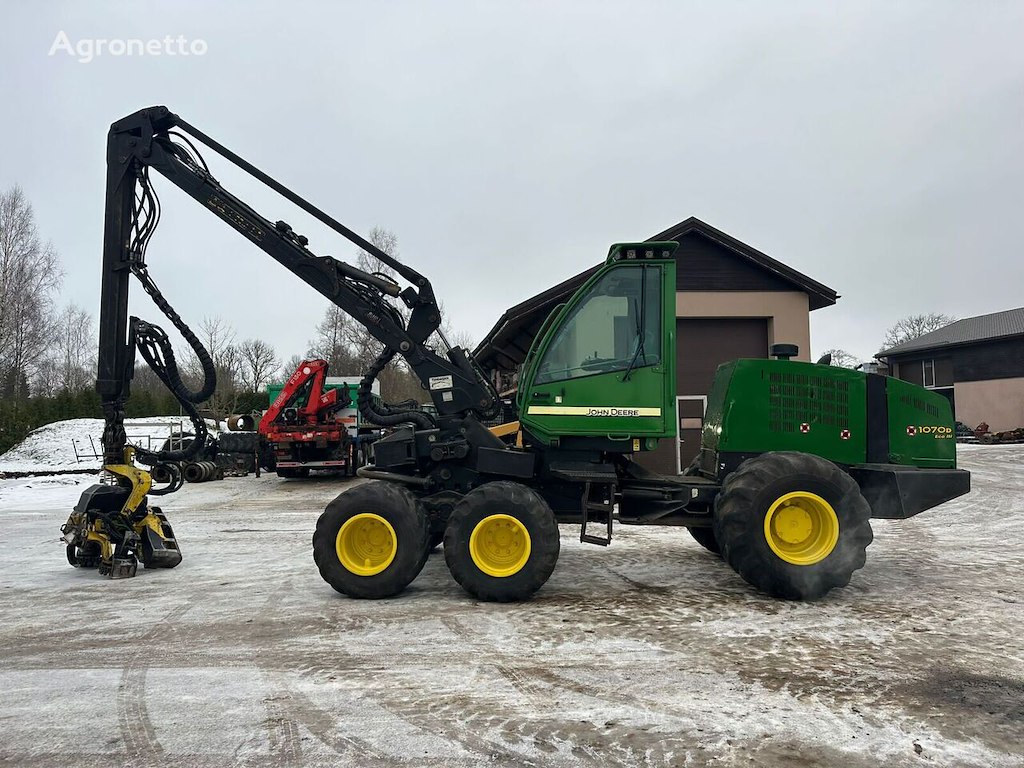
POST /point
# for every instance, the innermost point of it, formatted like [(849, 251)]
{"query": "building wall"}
[(702, 344), (1000, 359), (987, 380), (714, 327), (788, 312), (998, 402), (911, 369), (705, 265)]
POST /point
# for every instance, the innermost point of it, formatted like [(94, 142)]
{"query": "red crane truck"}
[(313, 424)]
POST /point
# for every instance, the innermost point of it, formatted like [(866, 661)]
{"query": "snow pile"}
[(72, 445), (46, 492)]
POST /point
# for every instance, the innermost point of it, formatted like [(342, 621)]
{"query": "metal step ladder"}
[(603, 501)]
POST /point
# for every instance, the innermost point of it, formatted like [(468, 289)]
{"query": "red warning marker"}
[(805, 428), (845, 434), (911, 431)]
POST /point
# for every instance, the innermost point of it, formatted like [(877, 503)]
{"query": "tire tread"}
[(740, 532), (378, 496), (506, 497)]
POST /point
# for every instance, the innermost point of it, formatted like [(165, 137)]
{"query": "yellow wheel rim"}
[(500, 545), (366, 544), (801, 528)]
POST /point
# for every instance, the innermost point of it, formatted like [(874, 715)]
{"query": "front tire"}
[(793, 525), (501, 543), (371, 541)]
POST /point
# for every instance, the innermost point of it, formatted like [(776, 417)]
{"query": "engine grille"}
[(796, 398)]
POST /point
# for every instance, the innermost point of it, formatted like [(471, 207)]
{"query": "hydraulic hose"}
[(383, 414), (156, 350)]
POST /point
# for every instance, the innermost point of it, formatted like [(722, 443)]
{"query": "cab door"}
[(606, 366)]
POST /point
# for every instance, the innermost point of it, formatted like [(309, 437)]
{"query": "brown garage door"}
[(701, 346)]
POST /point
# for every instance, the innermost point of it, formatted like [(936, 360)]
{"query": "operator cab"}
[(605, 367)]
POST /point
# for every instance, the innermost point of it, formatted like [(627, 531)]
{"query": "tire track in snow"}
[(133, 719), (282, 731), (283, 737), (289, 709), (459, 721), (526, 739), (299, 709)]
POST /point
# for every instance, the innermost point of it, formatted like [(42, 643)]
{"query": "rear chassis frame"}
[(893, 492)]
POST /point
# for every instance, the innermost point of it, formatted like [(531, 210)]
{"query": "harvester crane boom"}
[(157, 139)]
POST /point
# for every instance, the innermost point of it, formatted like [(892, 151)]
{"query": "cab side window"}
[(615, 327)]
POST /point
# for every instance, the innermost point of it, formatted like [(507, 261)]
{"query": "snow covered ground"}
[(72, 445), (649, 652)]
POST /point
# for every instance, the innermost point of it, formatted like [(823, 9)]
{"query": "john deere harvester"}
[(795, 458)]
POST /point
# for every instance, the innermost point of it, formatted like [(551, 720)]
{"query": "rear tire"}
[(793, 525), (371, 541), (501, 543)]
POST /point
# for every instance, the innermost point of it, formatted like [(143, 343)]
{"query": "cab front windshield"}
[(615, 327)]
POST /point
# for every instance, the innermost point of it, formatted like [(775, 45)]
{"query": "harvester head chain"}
[(119, 568), (79, 559)]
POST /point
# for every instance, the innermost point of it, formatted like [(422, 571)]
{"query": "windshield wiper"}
[(639, 312)]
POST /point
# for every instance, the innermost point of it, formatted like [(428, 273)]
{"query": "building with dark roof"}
[(977, 362), (732, 301)]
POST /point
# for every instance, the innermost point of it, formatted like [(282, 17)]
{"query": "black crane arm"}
[(157, 139)]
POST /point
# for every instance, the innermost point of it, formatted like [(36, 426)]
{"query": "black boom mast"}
[(157, 139)]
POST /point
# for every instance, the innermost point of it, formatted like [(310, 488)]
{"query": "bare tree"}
[(258, 364), (457, 337), (842, 358), (914, 326), (365, 348), (350, 348), (73, 356), (217, 335), (289, 367), (30, 274), (460, 337), (333, 341)]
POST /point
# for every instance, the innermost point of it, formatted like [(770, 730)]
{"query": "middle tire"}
[(706, 538), (371, 541), (501, 543)]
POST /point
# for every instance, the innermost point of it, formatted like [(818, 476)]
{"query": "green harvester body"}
[(785, 405)]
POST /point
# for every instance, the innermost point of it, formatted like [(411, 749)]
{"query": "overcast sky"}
[(878, 148)]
